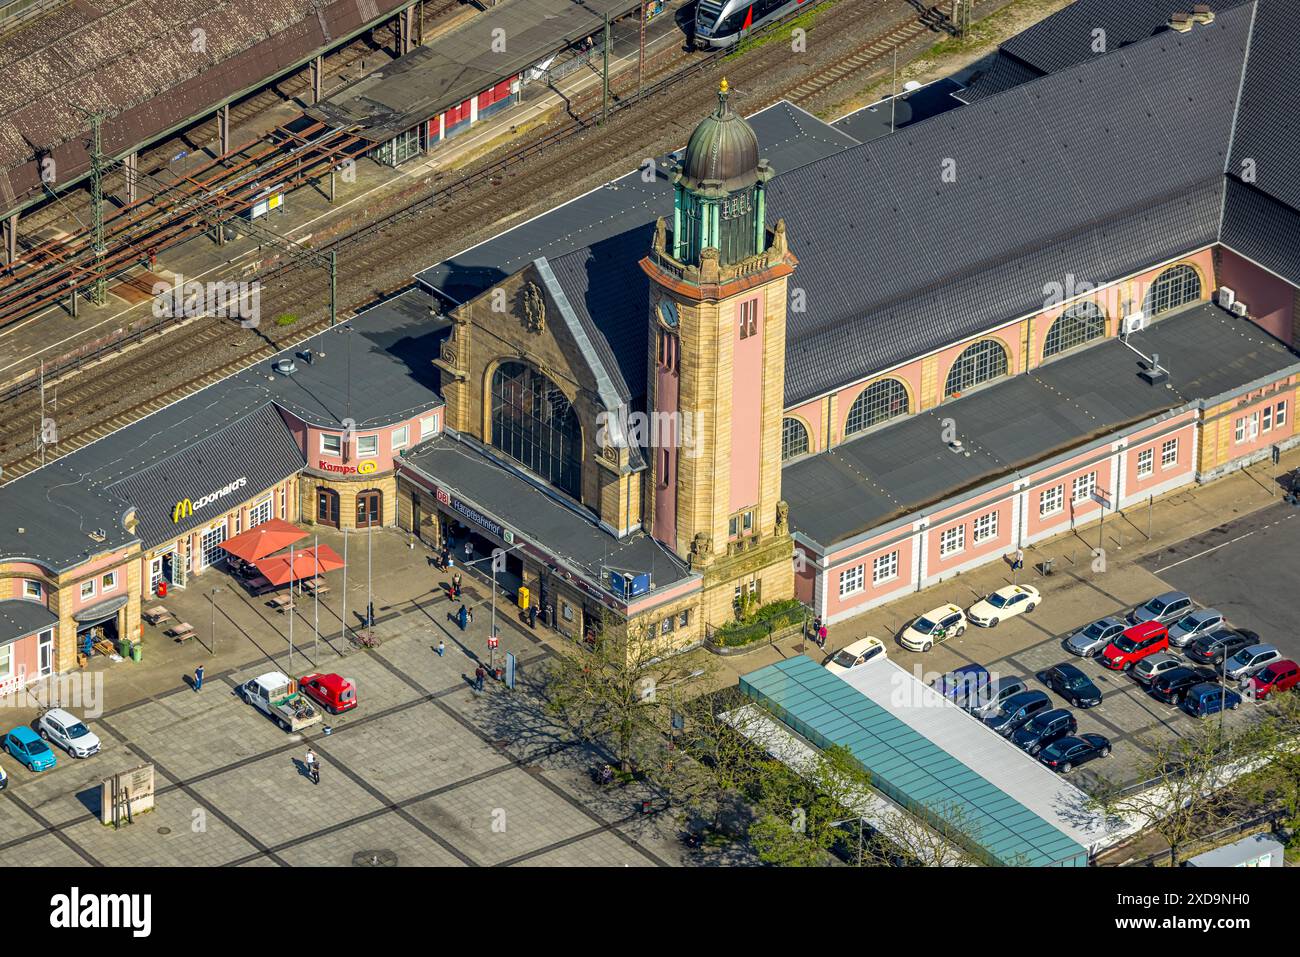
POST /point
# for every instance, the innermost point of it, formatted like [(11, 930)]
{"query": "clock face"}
[(668, 313)]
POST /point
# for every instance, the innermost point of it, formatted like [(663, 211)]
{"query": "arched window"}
[(535, 425), (1082, 322), (877, 403), (794, 439), (1174, 287), (982, 361)]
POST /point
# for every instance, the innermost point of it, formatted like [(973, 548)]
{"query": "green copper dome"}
[(722, 150)]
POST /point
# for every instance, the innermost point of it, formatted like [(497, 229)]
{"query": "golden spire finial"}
[(723, 88)]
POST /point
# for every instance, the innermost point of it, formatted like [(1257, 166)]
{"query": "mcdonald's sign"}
[(184, 509)]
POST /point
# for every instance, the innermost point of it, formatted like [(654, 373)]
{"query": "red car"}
[(1134, 644), (1278, 676), (332, 692)]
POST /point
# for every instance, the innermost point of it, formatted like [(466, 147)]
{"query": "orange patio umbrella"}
[(263, 540), (308, 563)]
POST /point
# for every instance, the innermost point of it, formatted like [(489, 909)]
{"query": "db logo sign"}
[(365, 468)]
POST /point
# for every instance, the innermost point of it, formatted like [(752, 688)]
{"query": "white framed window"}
[(952, 541), (1169, 453), (428, 426), (684, 618), (1253, 426), (109, 582), (331, 444), (32, 589), (1268, 418), (263, 511), (1051, 501), (401, 437), (6, 661), (1146, 462), (1280, 419), (985, 527), (368, 445), (88, 589), (1239, 431), (1083, 487), (851, 580), (884, 567)]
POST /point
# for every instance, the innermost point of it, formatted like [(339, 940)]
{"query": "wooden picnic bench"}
[(156, 615), (180, 631), (282, 603), (320, 589)]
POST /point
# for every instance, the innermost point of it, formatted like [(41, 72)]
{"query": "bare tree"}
[(900, 838), (1277, 780)]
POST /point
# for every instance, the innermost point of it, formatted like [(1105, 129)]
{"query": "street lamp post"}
[(212, 622)]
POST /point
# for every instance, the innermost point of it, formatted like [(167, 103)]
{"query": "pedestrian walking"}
[(462, 617), (469, 551), (479, 674), (198, 678), (821, 637), (442, 647), (455, 585), (532, 616), (312, 763), (469, 616)]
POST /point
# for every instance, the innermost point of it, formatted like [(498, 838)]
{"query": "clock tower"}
[(718, 279)]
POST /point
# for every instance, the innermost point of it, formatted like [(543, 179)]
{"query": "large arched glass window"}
[(1176, 286), (1082, 322), (535, 425), (982, 361), (794, 439), (877, 403)]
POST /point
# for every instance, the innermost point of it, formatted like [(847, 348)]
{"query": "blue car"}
[(966, 684), (1209, 698), (26, 745)]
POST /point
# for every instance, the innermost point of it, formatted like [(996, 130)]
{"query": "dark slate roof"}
[(257, 448), (521, 507), (1025, 420), (1262, 229), (999, 74), (19, 618)]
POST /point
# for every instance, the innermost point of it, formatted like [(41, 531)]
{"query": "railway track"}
[(397, 244)]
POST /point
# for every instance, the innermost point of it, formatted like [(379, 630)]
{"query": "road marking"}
[(1213, 549)]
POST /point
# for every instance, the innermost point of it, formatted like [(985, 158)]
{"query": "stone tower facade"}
[(718, 281)]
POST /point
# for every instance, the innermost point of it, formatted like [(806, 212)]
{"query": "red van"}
[(1134, 644), (332, 692)]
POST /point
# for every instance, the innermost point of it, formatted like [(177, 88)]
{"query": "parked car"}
[(1218, 646), (1068, 753), (1016, 710), (4, 779), (963, 686), (994, 695), (855, 654), (332, 692), (1089, 642), (1150, 668), (1166, 609), (1173, 684), (1249, 660), (1002, 604), (1072, 685), (68, 732), (947, 621), (1280, 675), (1042, 729), (1209, 698), (1194, 624), (28, 748), (1137, 642)]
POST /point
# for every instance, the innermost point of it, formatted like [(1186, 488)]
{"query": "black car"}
[(1072, 685), (1217, 646), (1173, 684), (1044, 728), (1063, 755), (1018, 709)]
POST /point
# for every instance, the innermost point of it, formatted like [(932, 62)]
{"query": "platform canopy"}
[(262, 540), (308, 563)]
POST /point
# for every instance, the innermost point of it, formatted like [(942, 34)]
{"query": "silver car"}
[(1089, 642), (1171, 606), (1194, 624), (1153, 666), (1249, 660)]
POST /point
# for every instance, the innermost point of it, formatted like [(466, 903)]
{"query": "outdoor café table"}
[(180, 631)]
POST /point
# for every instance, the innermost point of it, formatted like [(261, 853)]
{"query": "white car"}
[(67, 731), (856, 654), (1003, 604), (944, 622)]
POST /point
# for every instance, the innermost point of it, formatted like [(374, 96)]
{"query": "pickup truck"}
[(276, 695)]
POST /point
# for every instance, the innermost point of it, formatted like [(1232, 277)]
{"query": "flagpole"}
[(315, 593), (370, 599), (345, 584), (292, 611)]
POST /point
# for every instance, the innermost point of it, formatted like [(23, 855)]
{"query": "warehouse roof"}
[(147, 68), (1025, 420), (1013, 811)]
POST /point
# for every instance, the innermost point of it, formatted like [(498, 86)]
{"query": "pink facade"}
[(1262, 419), (746, 403), (1270, 301), (363, 451), (667, 389)]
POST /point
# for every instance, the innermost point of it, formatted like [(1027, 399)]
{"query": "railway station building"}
[(787, 363)]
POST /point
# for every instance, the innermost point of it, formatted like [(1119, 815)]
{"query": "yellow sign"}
[(365, 468), (183, 509)]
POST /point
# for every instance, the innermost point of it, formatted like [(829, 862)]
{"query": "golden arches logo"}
[(365, 468), (184, 509)]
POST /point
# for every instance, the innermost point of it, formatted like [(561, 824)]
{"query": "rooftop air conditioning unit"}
[(1226, 297), (1134, 322), (1239, 308), (285, 367)]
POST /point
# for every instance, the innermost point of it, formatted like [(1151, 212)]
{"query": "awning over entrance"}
[(308, 563), (104, 610), (263, 540)]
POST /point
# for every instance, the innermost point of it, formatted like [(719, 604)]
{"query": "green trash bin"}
[(135, 651)]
